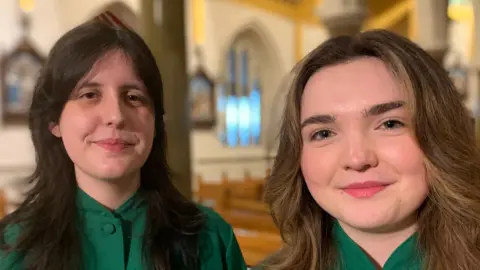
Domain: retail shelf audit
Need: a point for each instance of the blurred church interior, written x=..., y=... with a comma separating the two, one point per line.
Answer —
x=229, y=62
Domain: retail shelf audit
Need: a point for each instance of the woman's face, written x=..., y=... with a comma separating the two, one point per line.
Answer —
x=360, y=159
x=108, y=124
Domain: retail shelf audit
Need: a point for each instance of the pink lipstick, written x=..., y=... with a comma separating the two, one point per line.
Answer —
x=365, y=189
x=113, y=145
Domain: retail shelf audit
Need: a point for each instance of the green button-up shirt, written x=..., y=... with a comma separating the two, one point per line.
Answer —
x=352, y=257
x=112, y=240
x=405, y=257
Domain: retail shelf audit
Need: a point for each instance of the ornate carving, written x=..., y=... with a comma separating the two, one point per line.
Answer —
x=19, y=71
x=202, y=98
x=342, y=17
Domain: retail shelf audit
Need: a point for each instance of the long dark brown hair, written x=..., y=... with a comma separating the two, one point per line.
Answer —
x=449, y=220
x=48, y=236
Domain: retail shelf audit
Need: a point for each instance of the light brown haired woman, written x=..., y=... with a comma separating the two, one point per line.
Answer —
x=377, y=166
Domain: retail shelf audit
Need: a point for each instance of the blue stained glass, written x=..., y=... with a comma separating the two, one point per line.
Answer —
x=241, y=111
x=221, y=105
x=13, y=94
x=244, y=73
x=244, y=120
x=255, y=112
x=231, y=67
x=221, y=99
x=243, y=105
x=230, y=134
x=231, y=115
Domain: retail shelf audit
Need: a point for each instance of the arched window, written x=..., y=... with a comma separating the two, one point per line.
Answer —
x=239, y=96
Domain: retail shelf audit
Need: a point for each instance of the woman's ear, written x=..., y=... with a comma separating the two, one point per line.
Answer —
x=55, y=130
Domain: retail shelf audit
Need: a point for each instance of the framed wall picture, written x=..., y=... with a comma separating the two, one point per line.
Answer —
x=202, y=100
x=19, y=71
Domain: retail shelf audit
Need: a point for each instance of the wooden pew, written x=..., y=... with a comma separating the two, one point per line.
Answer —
x=257, y=246
x=3, y=204
x=248, y=206
x=211, y=194
x=246, y=195
x=219, y=195
x=240, y=204
x=249, y=221
x=235, y=198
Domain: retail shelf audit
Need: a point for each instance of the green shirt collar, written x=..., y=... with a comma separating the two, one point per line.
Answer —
x=405, y=257
x=86, y=203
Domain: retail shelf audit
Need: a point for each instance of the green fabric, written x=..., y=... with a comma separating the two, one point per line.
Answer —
x=352, y=257
x=112, y=240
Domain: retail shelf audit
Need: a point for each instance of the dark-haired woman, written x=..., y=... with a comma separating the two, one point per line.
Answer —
x=103, y=197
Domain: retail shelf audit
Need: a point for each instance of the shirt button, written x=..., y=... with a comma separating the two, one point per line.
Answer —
x=108, y=228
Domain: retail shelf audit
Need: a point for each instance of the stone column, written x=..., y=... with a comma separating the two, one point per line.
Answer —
x=476, y=52
x=432, y=24
x=342, y=17
x=167, y=42
x=473, y=95
x=474, y=75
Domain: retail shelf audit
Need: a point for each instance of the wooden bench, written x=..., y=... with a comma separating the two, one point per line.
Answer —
x=257, y=246
x=240, y=204
x=249, y=221
x=218, y=195
x=3, y=204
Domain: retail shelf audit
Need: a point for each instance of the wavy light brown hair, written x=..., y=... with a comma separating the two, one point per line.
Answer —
x=449, y=219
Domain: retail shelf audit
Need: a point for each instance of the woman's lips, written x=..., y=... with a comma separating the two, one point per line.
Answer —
x=113, y=145
x=365, y=189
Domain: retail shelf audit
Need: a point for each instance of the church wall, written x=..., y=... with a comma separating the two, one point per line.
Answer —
x=16, y=151
x=313, y=35
x=223, y=21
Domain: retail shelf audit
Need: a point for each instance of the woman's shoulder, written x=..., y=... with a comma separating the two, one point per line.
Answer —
x=214, y=223
x=219, y=246
x=10, y=260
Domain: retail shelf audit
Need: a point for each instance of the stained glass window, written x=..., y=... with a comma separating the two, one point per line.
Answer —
x=239, y=100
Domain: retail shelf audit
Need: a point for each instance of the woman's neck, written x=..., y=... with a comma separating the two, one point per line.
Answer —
x=111, y=193
x=380, y=246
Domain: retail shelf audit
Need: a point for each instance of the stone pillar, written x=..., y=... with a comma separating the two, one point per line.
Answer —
x=148, y=27
x=473, y=95
x=342, y=17
x=432, y=24
x=476, y=52
x=474, y=76
x=167, y=42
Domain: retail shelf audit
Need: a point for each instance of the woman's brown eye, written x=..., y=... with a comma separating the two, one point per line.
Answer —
x=133, y=98
x=88, y=95
x=391, y=124
x=136, y=99
x=321, y=135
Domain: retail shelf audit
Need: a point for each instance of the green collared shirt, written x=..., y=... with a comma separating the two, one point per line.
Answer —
x=352, y=257
x=112, y=240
